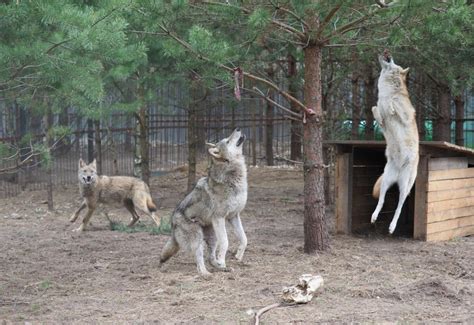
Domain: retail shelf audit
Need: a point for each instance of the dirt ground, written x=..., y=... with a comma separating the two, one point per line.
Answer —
x=50, y=274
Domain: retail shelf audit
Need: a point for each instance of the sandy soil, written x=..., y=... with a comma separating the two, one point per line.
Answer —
x=49, y=274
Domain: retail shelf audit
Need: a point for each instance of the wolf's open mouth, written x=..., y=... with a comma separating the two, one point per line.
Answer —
x=386, y=55
x=241, y=140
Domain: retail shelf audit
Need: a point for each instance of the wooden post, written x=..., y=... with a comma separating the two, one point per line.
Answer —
x=343, y=191
x=421, y=187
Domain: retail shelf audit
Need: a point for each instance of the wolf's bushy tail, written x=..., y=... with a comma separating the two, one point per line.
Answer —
x=170, y=249
x=376, y=190
x=150, y=205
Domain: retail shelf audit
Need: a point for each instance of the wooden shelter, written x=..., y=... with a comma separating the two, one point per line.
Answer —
x=439, y=207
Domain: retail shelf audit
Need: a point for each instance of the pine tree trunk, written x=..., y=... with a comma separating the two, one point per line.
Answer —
x=63, y=120
x=143, y=141
x=98, y=146
x=49, y=169
x=254, y=133
x=296, y=127
x=192, y=134
x=316, y=236
x=420, y=107
x=459, y=102
x=442, y=125
x=269, y=122
x=369, y=101
x=90, y=140
x=269, y=131
x=355, y=99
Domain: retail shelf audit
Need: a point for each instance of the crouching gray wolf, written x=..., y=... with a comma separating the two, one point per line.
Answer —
x=220, y=196
x=396, y=115
x=132, y=192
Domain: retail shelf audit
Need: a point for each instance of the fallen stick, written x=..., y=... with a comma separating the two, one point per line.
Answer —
x=263, y=310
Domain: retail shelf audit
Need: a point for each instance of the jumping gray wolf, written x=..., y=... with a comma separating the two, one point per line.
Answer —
x=396, y=115
x=132, y=192
x=220, y=196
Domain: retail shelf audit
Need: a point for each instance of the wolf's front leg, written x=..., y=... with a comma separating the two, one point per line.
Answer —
x=222, y=242
x=78, y=211
x=86, y=219
x=242, y=237
x=377, y=116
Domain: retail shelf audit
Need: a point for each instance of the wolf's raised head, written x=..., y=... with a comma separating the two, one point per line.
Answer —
x=87, y=173
x=392, y=77
x=228, y=149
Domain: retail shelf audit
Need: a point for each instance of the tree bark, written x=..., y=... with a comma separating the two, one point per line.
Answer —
x=296, y=127
x=459, y=103
x=269, y=122
x=142, y=166
x=144, y=149
x=420, y=108
x=90, y=140
x=98, y=146
x=370, y=101
x=316, y=236
x=442, y=125
x=49, y=168
x=65, y=142
x=356, y=109
x=192, y=133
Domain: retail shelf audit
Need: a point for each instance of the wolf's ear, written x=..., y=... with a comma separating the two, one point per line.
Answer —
x=214, y=152
x=81, y=163
x=404, y=72
x=94, y=164
x=210, y=145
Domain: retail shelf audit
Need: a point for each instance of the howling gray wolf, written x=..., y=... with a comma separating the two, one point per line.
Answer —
x=132, y=192
x=396, y=115
x=220, y=196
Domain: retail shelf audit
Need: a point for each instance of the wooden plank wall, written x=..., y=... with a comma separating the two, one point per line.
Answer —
x=450, y=201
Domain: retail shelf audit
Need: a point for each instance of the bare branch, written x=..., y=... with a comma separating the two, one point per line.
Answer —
x=246, y=74
x=268, y=99
x=292, y=13
x=326, y=20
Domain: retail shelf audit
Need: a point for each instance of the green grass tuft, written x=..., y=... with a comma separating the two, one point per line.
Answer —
x=163, y=229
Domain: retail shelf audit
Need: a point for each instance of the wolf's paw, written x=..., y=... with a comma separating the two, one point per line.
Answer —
x=239, y=256
x=72, y=219
x=80, y=229
x=206, y=275
x=219, y=266
x=374, y=218
x=392, y=227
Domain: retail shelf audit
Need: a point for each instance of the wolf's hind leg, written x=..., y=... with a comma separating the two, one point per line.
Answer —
x=406, y=180
x=131, y=208
x=222, y=242
x=170, y=249
x=388, y=179
x=140, y=203
x=210, y=238
x=78, y=211
x=240, y=233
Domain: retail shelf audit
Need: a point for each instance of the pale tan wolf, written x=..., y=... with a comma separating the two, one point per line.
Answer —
x=220, y=196
x=396, y=115
x=132, y=192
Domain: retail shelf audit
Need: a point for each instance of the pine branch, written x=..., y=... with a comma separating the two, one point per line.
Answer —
x=246, y=11
x=291, y=13
x=354, y=24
